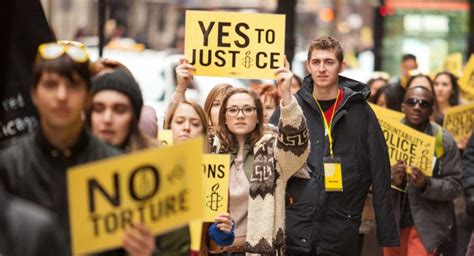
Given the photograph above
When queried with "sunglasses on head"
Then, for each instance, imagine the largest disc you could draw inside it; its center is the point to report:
(77, 51)
(423, 103)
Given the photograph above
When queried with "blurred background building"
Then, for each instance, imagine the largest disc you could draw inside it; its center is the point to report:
(374, 33)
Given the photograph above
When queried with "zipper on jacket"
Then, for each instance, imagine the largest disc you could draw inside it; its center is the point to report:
(339, 109)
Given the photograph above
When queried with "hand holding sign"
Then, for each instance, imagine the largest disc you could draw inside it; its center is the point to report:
(283, 80)
(418, 178)
(139, 240)
(224, 222)
(184, 74)
(398, 172)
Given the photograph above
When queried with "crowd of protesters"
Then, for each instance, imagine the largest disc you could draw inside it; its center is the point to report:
(307, 134)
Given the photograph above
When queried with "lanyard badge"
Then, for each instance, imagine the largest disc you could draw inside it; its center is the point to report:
(333, 174)
(332, 165)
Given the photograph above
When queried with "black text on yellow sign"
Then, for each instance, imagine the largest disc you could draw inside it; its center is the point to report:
(235, 44)
(408, 145)
(216, 169)
(459, 121)
(160, 188)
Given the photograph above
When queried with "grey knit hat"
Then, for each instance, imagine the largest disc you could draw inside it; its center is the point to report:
(120, 81)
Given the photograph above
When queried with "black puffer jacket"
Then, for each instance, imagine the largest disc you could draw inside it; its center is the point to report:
(34, 170)
(329, 222)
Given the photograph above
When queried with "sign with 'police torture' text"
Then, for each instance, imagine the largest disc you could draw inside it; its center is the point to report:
(160, 188)
(240, 45)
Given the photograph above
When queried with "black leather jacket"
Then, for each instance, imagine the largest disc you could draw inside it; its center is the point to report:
(34, 170)
(27, 229)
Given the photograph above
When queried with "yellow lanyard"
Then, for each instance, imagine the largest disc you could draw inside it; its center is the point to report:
(327, 126)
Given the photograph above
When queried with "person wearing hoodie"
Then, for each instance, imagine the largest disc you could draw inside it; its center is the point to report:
(348, 156)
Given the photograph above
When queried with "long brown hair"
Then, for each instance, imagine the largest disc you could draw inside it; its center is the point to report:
(138, 140)
(219, 90)
(227, 138)
(195, 106)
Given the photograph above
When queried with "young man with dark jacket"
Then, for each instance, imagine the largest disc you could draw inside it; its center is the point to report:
(424, 204)
(346, 159)
(35, 167)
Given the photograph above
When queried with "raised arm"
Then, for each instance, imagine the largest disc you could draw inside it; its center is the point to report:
(292, 146)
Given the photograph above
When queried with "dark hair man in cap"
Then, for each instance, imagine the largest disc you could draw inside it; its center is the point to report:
(424, 204)
(35, 168)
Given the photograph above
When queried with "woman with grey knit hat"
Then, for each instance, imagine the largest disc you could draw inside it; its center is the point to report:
(115, 110)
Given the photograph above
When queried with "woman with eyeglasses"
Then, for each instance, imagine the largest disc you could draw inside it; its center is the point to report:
(260, 167)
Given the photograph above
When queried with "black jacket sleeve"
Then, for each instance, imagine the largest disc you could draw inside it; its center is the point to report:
(387, 231)
(468, 175)
(468, 164)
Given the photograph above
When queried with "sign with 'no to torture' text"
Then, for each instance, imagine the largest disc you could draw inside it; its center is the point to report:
(240, 45)
(160, 188)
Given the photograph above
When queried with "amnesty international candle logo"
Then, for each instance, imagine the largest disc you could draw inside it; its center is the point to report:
(214, 199)
(215, 171)
(230, 44)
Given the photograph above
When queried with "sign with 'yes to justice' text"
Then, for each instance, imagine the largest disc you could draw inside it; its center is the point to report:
(160, 188)
(230, 44)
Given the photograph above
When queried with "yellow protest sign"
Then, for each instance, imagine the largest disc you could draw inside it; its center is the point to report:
(216, 170)
(161, 188)
(165, 137)
(381, 112)
(231, 44)
(466, 82)
(453, 63)
(404, 143)
(215, 196)
(195, 231)
(459, 121)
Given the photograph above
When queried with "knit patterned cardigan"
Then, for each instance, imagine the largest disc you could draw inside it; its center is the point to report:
(276, 158)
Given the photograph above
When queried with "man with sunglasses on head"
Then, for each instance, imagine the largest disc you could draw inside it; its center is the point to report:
(35, 168)
(424, 204)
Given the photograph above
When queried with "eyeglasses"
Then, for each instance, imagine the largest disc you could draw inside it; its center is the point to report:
(423, 103)
(246, 111)
(77, 51)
